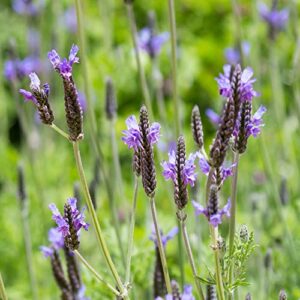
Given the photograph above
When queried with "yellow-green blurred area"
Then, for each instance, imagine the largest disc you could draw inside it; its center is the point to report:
(268, 181)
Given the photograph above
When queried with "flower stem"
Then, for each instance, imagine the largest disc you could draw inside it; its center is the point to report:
(233, 216)
(94, 272)
(95, 222)
(28, 251)
(2, 289)
(143, 82)
(172, 21)
(131, 230)
(60, 131)
(219, 281)
(190, 256)
(160, 246)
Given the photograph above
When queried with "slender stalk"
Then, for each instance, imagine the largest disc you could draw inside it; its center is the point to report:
(28, 252)
(172, 21)
(81, 37)
(219, 281)
(180, 254)
(95, 222)
(131, 230)
(233, 216)
(2, 289)
(190, 257)
(60, 131)
(94, 272)
(160, 246)
(141, 71)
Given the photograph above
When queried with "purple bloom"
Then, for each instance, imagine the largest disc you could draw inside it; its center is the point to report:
(164, 238)
(256, 122)
(64, 66)
(132, 136)
(276, 19)
(82, 101)
(69, 19)
(169, 169)
(205, 167)
(233, 55)
(215, 219)
(25, 7)
(62, 224)
(151, 43)
(186, 295)
(246, 89)
(213, 116)
(17, 69)
(56, 242)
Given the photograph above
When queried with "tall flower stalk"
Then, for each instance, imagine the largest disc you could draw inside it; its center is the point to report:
(172, 21)
(2, 289)
(142, 76)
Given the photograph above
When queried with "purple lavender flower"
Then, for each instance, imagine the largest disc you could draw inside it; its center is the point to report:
(151, 43)
(213, 116)
(246, 89)
(69, 19)
(169, 169)
(56, 242)
(82, 101)
(164, 238)
(132, 136)
(233, 55)
(205, 167)
(186, 295)
(216, 218)
(25, 7)
(256, 122)
(64, 66)
(62, 222)
(276, 19)
(17, 69)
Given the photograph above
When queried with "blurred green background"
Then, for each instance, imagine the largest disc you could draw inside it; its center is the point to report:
(269, 170)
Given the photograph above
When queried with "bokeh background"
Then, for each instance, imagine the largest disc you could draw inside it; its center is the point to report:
(268, 184)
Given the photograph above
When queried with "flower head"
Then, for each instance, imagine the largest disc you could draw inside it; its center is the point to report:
(246, 90)
(214, 219)
(132, 136)
(256, 122)
(233, 55)
(64, 66)
(151, 43)
(164, 238)
(56, 242)
(276, 19)
(69, 224)
(39, 97)
(25, 7)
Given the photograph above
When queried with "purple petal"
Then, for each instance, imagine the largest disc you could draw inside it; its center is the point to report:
(171, 234)
(232, 56)
(132, 136)
(226, 209)
(213, 116)
(54, 59)
(28, 96)
(215, 219)
(73, 52)
(189, 175)
(169, 171)
(187, 293)
(154, 133)
(10, 72)
(203, 164)
(47, 251)
(199, 209)
(34, 81)
(55, 238)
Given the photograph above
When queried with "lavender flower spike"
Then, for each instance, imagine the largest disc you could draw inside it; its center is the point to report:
(151, 43)
(70, 223)
(164, 238)
(256, 122)
(39, 97)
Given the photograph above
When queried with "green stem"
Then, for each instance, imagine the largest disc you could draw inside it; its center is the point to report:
(95, 222)
(180, 254)
(131, 230)
(190, 256)
(219, 281)
(160, 246)
(60, 131)
(141, 71)
(28, 251)
(172, 21)
(233, 216)
(94, 272)
(2, 289)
